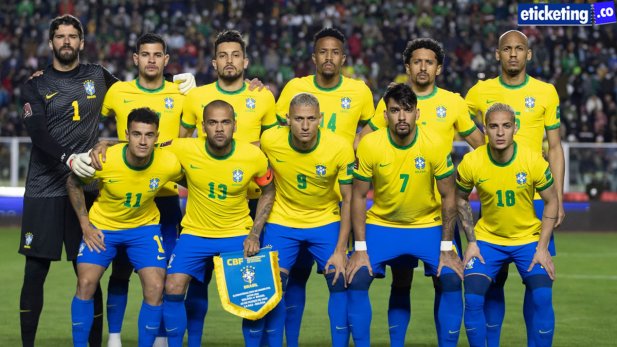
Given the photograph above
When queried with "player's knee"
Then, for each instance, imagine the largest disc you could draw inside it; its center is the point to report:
(476, 284)
(86, 287)
(541, 290)
(284, 280)
(502, 276)
(174, 285)
(339, 286)
(450, 283)
(153, 293)
(362, 280)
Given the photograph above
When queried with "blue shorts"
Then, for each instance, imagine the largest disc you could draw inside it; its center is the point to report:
(496, 256)
(288, 241)
(388, 245)
(192, 252)
(142, 245)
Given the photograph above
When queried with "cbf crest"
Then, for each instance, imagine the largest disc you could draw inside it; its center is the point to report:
(441, 112)
(237, 175)
(28, 240)
(420, 163)
(320, 170)
(250, 103)
(248, 274)
(154, 184)
(521, 178)
(345, 103)
(89, 88)
(169, 103)
(530, 102)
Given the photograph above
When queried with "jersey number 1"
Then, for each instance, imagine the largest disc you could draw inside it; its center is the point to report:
(76, 117)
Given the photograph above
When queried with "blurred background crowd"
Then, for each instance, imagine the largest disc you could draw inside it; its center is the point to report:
(580, 61)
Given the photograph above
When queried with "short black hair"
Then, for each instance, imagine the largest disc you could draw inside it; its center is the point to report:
(425, 43)
(402, 94)
(66, 19)
(143, 115)
(229, 36)
(150, 38)
(219, 104)
(328, 32)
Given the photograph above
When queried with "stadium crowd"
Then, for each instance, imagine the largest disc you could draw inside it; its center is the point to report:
(579, 61)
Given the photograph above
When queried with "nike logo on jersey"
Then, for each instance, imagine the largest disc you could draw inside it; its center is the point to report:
(480, 181)
(384, 165)
(127, 101)
(279, 160)
(193, 166)
(159, 257)
(50, 95)
(489, 101)
(112, 181)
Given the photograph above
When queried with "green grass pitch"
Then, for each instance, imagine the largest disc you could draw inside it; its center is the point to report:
(585, 295)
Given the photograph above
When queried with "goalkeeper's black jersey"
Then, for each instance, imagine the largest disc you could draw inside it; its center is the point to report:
(61, 112)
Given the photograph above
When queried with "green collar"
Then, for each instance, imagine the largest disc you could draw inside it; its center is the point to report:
(340, 82)
(415, 137)
(518, 86)
(136, 168)
(144, 89)
(218, 87)
(307, 150)
(506, 163)
(223, 157)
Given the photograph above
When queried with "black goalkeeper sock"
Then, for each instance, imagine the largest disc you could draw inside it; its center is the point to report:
(31, 300)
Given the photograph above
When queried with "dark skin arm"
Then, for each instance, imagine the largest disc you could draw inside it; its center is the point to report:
(264, 206)
(94, 238)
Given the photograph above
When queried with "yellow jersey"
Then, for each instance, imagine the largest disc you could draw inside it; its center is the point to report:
(166, 101)
(402, 177)
(343, 107)
(506, 193)
(306, 181)
(254, 110)
(126, 193)
(535, 103)
(216, 206)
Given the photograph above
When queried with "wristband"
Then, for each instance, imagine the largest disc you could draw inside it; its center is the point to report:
(359, 245)
(446, 246)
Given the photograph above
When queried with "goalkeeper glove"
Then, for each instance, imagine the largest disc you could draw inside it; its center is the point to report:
(80, 164)
(186, 82)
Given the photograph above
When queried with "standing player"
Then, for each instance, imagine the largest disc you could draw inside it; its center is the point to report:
(405, 219)
(61, 113)
(536, 105)
(130, 179)
(442, 113)
(217, 217)
(151, 90)
(307, 163)
(506, 175)
(345, 104)
(254, 112)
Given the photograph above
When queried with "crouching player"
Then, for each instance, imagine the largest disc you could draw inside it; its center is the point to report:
(124, 216)
(506, 176)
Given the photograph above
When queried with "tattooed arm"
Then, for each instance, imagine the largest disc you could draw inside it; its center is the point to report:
(93, 237)
(448, 257)
(466, 218)
(264, 206)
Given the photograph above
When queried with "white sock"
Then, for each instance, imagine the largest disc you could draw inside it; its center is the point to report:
(160, 341)
(114, 340)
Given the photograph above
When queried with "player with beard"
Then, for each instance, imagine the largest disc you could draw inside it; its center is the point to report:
(406, 221)
(536, 106)
(442, 114)
(254, 113)
(61, 112)
(345, 105)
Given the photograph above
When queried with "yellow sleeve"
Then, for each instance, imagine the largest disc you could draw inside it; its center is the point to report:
(378, 121)
(282, 104)
(464, 124)
(346, 165)
(542, 175)
(552, 117)
(464, 177)
(269, 119)
(189, 114)
(443, 167)
(363, 167)
(108, 102)
(368, 110)
(264, 173)
(471, 99)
